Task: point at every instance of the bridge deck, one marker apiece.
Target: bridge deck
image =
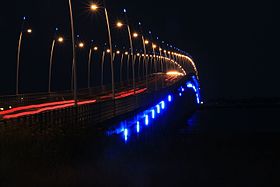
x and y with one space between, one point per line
27 105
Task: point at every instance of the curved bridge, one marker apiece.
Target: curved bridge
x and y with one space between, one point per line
97 104
145 73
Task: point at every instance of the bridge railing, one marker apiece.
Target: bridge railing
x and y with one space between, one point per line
12 101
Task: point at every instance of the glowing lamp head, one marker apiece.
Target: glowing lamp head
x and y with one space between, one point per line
94 7
81 45
108 50
95 48
60 39
118 52
126 53
29 31
135 35
119 24
154 46
138 54
146 42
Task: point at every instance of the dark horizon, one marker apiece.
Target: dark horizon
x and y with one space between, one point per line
233 44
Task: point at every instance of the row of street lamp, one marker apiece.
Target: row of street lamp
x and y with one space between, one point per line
119 24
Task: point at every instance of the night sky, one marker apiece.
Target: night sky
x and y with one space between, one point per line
234 43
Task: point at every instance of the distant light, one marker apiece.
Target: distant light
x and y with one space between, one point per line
169 98
10 107
180 94
60 39
135 35
119 24
154 46
138 54
202 102
1 109
108 50
118 52
95 48
56 29
81 45
124 10
24 18
29 31
146 42
125 134
153 114
174 73
126 53
146 120
138 127
139 23
94 7
182 89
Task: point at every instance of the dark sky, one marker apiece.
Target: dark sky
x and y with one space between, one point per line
234 43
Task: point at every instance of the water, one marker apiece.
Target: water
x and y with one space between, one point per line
214 146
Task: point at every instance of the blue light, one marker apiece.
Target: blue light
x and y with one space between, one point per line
146 120
138 127
125 132
162 104
153 114
169 98
180 94
182 89
189 85
158 109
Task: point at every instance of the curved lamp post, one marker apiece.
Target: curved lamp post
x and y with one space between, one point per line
23 30
119 25
74 72
95 7
89 63
60 40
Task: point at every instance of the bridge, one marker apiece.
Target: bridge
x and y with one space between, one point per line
143 76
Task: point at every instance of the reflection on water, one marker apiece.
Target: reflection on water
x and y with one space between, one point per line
142 120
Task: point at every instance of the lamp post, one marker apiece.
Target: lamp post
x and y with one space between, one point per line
89 63
154 46
119 24
23 30
60 40
102 67
121 67
74 72
95 7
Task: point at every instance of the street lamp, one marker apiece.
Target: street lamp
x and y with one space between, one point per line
94 8
28 31
81 45
121 66
59 40
135 35
74 72
89 63
119 25
154 46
